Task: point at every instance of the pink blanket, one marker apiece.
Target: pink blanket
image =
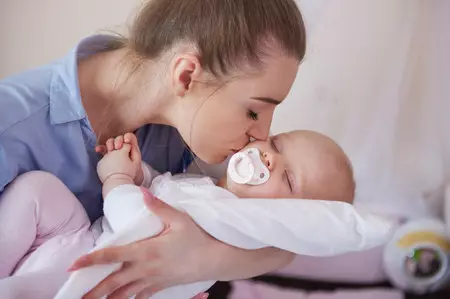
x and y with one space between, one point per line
358 267
257 290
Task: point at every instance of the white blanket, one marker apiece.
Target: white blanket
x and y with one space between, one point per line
308 227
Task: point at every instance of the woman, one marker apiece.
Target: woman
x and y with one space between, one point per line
199 77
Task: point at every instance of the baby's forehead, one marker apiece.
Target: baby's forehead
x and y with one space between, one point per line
293 139
304 138
312 146
292 145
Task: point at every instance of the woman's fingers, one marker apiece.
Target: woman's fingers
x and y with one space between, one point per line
131 252
169 259
106 256
129 290
145 294
138 288
148 292
117 285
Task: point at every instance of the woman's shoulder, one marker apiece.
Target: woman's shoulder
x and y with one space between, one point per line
23 95
51 90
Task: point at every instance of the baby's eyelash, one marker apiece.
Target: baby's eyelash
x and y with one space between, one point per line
252 115
288 180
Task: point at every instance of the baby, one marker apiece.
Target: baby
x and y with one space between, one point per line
298 164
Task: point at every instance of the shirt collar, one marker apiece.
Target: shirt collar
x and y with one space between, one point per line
65 97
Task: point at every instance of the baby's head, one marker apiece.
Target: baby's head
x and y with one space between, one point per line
302 164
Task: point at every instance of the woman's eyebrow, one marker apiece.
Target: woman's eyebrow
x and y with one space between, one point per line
267 100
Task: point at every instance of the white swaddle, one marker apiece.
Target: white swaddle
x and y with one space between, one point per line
308 227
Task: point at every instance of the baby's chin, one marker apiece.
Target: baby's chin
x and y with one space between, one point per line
240 190
231 186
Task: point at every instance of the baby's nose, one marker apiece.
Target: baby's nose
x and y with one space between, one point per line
268 160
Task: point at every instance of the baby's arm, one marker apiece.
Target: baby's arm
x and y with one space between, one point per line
117 158
121 163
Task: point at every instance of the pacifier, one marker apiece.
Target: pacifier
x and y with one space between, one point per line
246 167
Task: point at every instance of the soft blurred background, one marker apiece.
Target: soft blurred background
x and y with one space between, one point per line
376 78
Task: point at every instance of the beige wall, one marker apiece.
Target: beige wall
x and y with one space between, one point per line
36 32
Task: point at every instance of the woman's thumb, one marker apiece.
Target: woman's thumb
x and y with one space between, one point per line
157 206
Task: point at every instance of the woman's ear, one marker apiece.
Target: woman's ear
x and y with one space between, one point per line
186 70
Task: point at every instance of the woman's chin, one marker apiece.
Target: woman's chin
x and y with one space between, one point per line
213 159
210 156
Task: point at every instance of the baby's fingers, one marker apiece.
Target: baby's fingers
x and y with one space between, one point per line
101 149
131 139
110 145
118 142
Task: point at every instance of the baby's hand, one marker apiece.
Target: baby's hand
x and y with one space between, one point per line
122 158
116 143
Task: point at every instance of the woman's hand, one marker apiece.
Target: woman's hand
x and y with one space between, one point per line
172 258
183 253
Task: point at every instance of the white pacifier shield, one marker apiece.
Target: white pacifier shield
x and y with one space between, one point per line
246 167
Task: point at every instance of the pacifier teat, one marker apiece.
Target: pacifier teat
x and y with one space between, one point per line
246 167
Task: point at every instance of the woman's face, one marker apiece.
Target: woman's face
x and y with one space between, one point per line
221 120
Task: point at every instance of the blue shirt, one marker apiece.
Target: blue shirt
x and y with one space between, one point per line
43 126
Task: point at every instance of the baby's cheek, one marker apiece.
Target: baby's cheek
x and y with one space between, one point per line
271 189
267 190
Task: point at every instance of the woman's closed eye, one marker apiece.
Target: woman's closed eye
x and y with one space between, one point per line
252 115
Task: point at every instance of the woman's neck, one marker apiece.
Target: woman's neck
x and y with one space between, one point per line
111 95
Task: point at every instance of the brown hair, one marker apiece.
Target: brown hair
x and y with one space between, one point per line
223 31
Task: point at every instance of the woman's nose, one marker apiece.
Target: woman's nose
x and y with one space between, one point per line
260 129
269 160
